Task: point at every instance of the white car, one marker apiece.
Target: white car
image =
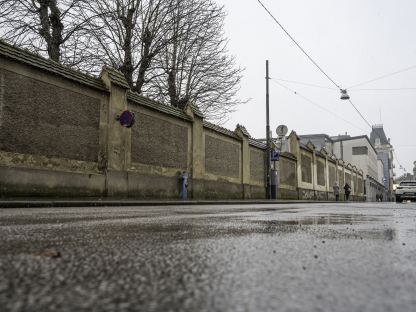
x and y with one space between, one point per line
406 190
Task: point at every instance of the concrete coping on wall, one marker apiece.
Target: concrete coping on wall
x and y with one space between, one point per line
288 155
140 100
320 154
332 159
219 129
241 129
34 60
306 148
257 143
116 77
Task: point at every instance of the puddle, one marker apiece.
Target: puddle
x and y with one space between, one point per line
322 220
376 234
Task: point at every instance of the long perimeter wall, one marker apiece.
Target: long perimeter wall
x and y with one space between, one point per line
59 136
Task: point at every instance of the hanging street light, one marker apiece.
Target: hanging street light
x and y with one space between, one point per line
344 94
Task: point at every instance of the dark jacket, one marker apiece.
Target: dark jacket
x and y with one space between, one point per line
347 188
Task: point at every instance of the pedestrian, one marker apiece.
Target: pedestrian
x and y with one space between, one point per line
347 189
336 191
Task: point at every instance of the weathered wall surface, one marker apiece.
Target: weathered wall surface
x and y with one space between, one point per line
159 142
43 119
332 175
287 173
320 172
306 165
257 161
222 158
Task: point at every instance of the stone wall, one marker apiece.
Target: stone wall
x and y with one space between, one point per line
306 165
39 118
257 161
332 175
159 142
287 172
222 157
320 172
59 136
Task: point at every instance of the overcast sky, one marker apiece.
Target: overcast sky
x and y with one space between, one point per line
353 41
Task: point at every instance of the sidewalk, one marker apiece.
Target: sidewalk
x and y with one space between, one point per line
99 202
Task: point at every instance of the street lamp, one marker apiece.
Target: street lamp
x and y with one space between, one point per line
344 94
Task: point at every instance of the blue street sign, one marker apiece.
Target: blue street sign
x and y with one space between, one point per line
274 155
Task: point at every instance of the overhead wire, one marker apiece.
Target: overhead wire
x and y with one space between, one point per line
383 89
397 160
365 120
306 84
314 103
298 45
310 58
382 77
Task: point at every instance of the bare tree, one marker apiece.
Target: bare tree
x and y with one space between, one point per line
128 35
196 65
174 51
44 26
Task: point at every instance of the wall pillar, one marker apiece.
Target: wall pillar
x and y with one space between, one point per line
245 160
197 167
294 148
118 137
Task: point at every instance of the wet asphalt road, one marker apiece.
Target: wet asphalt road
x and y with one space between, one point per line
298 257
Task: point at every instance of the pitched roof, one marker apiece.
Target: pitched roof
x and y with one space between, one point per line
378 132
28 58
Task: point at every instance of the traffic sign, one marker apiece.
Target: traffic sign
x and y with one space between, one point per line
274 155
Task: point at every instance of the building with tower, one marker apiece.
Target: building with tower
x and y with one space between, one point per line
385 154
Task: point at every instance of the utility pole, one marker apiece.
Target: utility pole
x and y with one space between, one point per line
268 148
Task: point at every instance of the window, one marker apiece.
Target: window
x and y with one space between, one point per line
360 150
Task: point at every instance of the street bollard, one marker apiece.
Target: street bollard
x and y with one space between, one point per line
184 185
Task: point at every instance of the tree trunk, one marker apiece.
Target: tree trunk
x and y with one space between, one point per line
145 61
48 21
54 46
127 67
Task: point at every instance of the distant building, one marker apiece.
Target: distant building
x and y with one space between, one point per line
319 140
359 152
385 154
